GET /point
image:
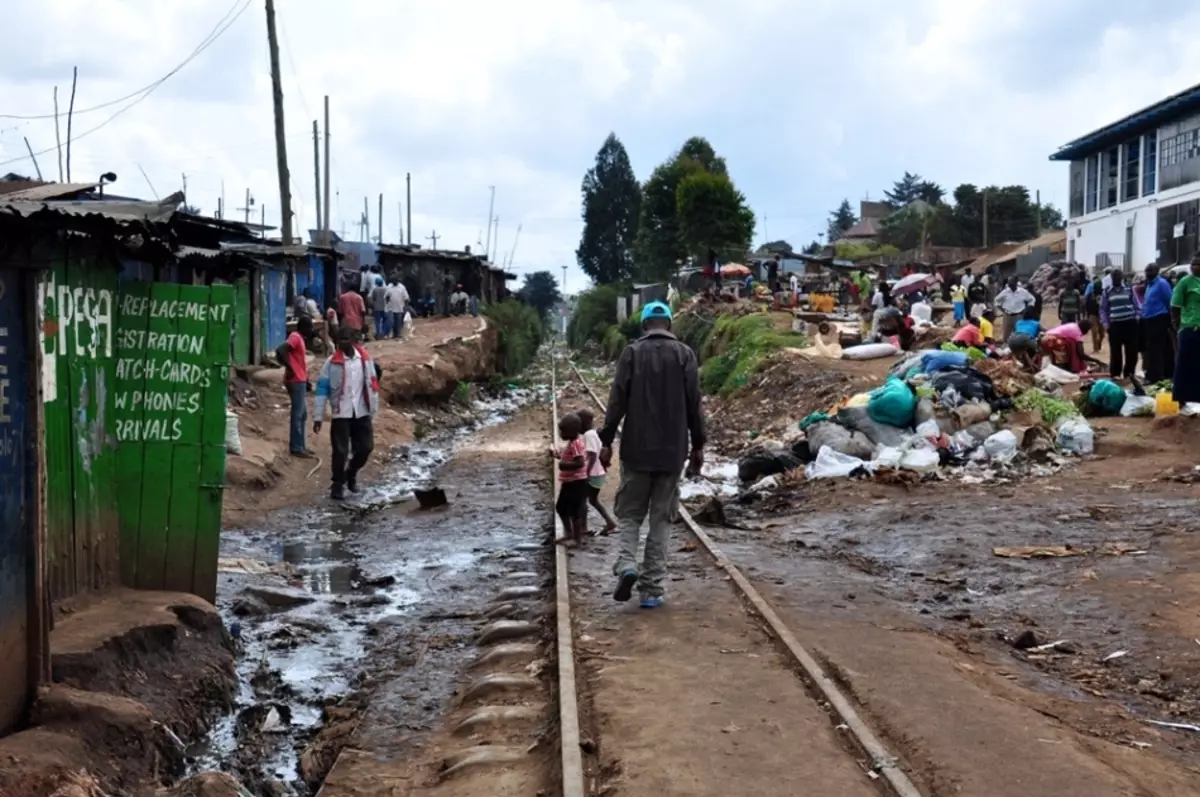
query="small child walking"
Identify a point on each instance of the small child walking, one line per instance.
(595, 471)
(572, 473)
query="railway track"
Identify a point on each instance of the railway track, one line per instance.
(883, 765)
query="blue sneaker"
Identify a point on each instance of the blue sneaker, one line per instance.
(625, 584)
(652, 601)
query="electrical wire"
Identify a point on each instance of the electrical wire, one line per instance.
(209, 40)
(212, 36)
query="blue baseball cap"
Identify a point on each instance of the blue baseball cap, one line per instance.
(656, 310)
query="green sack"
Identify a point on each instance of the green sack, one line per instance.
(893, 404)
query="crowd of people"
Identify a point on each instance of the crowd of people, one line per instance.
(1151, 318)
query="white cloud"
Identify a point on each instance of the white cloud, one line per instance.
(809, 100)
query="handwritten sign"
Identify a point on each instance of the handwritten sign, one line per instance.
(164, 367)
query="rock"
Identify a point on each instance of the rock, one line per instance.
(280, 597)
(380, 581)
(1025, 640)
(249, 606)
(206, 784)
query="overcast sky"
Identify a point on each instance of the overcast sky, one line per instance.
(810, 101)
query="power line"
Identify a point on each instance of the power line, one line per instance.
(221, 26)
(212, 37)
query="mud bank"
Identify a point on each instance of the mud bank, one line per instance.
(135, 675)
(419, 375)
(353, 618)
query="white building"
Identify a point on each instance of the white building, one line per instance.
(1135, 188)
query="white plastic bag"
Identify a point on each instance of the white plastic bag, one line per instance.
(930, 430)
(869, 351)
(1135, 406)
(1076, 436)
(888, 457)
(1053, 372)
(1002, 446)
(830, 464)
(233, 438)
(408, 325)
(920, 458)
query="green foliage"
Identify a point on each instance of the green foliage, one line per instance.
(540, 291)
(595, 312)
(614, 342)
(813, 248)
(735, 348)
(612, 201)
(864, 251)
(1051, 409)
(713, 214)
(462, 393)
(660, 244)
(840, 220)
(912, 187)
(520, 331)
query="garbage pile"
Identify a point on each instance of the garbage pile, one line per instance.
(1052, 278)
(940, 415)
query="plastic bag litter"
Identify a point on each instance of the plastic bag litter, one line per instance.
(858, 400)
(869, 351)
(831, 464)
(857, 419)
(1190, 408)
(1136, 406)
(839, 439)
(1059, 375)
(893, 404)
(937, 360)
(921, 459)
(967, 382)
(924, 411)
(1002, 446)
(758, 464)
(1106, 397)
(1076, 436)
(233, 438)
(930, 429)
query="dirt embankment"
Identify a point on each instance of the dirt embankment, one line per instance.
(418, 373)
(137, 675)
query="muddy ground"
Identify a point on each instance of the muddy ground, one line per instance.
(988, 675)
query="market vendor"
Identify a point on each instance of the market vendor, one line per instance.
(987, 327)
(1185, 316)
(1064, 345)
(969, 334)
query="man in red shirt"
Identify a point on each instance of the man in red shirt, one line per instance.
(295, 378)
(353, 312)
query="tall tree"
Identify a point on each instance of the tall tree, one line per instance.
(660, 245)
(612, 201)
(540, 291)
(912, 187)
(840, 220)
(813, 248)
(713, 214)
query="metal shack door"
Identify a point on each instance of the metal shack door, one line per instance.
(14, 503)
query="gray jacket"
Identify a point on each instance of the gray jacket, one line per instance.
(657, 393)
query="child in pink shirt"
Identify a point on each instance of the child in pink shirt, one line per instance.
(573, 477)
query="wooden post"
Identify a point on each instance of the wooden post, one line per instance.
(328, 226)
(408, 203)
(317, 179)
(285, 196)
(39, 607)
(70, 113)
(33, 158)
(379, 232)
(58, 136)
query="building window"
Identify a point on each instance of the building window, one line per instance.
(1093, 182)
(1075, 208)
(1110, 177)
(1129, 180)
(1181, 147)
(1150, 158)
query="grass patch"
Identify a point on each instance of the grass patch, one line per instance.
(735, 347)
(520, 333)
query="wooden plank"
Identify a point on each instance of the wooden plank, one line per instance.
(79, 390)
(132, 327)
(241, 321)
(212, 460)
(190, 349)
(59, 477)
(39, 614)
(104, 566)
(158, 434)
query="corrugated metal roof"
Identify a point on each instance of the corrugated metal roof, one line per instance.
(41, 193)
(1177, 105)
(1055, 241)
(118, 211)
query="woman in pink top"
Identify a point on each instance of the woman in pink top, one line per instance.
(1064, 344)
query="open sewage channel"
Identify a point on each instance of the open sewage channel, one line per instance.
(327, 603)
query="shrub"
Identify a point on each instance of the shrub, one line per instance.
(520, 333)
(595, 312)
(736, 346)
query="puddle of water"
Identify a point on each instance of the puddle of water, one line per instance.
(315, 649)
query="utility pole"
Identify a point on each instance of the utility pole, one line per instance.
(263, 223)
(248, 206)
(1037, 208)
(564, 285)
(408, 202)
(285, 196)
(328, 238)
(317, 179)
(985, 229)
(400, 221)
(366, 222)
(433, 238)
(496, 234)
(487, 249)
(33, 158)
(380, 231)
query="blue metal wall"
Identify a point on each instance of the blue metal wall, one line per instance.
(15, 500)
(312, 278)
(274, 308)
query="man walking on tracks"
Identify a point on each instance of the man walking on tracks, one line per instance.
(657, 393)
(350, 385)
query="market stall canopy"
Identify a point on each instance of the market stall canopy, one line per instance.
(913, 283)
